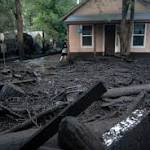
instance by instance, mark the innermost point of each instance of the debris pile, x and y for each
(37, 95)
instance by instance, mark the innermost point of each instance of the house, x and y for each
(93, 28)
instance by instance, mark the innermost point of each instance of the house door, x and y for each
(110, 31)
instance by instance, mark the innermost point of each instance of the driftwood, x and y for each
(135, 100)
(74, 135)
(29, 123)
(8, 111)
(74, 109)
(111, 102)
(126, 91)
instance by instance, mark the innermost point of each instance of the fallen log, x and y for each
(74, 109)
(126, 91)
(74, 135)
(29, 123)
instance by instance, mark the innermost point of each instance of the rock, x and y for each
(11, 90)
(6, 71)
(73, 135)
(19, 76)
(28, 44)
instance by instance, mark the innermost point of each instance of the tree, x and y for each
(126, 26)
(46, 16)
(11, 15)
(19, 24)
(6, 16)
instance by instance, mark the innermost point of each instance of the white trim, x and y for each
(117, 42)
(81, 42)
(104, 36)
(104, 39)
(132, 46)
(115, 38)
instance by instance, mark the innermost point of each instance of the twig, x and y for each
(34, 121)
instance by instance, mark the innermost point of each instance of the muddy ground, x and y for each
(52, 78)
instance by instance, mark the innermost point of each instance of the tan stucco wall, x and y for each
(106, 6)
(74, 39)
(103, 6)
(75, 45)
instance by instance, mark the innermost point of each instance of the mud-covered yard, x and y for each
(53, 78)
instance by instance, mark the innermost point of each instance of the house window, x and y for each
(139, 35)
(87, 36)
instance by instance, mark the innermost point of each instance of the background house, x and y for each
(93, 27)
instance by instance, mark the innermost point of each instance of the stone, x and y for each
(11, 90)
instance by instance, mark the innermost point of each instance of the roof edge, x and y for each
(74, 9)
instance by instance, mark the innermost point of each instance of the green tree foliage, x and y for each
(45, 15)
(7, 15)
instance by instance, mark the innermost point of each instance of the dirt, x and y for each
(53, 78)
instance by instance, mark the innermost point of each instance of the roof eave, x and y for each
(99, 22)
(74, 9)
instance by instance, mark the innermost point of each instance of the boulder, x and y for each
(11, 90)
(74, 135)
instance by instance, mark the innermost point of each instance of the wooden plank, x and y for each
(74, 109)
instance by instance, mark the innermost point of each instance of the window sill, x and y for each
(137, 46)
(87, 47)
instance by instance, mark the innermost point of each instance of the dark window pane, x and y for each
(139, 28)
(87, 41)
(87, 30)
(138, 40)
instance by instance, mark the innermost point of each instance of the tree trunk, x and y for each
(131, 24)
(124, 28)
(74, 135)
(19, 23)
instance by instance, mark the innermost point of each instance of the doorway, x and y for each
(110, 32)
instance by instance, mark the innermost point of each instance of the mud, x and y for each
(53, 78)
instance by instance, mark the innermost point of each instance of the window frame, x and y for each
(81, 37)
(144, 42)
